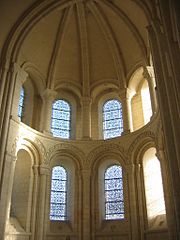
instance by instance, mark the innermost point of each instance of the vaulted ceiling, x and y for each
(87, 43)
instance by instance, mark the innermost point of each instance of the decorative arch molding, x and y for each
(136, 70)
(64, 149)
(103, 85)
(144, 6)
(34, 73)
(143, 142)
(36, 149)
(69, 85)
(107, 150)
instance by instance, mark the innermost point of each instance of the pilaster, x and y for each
(86, 117)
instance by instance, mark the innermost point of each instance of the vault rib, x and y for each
(115, 51)
(130, 25)
(57, 46)
(84, 48)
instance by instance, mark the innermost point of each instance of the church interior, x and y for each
(89, 120)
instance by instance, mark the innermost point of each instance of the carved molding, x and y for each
(65, 148)
(105, 149)
(35, 145)
(139, 143)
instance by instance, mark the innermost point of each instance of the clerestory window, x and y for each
(114, 197)
(58, 201)
(21, 104)
(112, 119)
(61, 119)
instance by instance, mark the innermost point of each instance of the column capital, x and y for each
(22, 75)
(126, 93)
(44, 170)
(11, 157)
(35, 169)
(160, 154)
(86, 100)
(130, 168)
(48, 94)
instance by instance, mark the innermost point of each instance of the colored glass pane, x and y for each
(58, 200)
(112, 119)
(61, 119)
(114, 198)
(21, 104)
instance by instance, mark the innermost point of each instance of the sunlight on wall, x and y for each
(24, 132)
(146, 102)
(153, 185)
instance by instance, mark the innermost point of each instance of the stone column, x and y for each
(86, 117)
(7, 185)
(148, 73)
(133, 202)
(86, 205)
(140, 214)
(5, 113)
(34, 201)
(40, 231)
(48, 97)
(125, 110)
(165, 70)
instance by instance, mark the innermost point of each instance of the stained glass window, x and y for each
(112, 119)
(114, 198)
(61, 119)
(21, 104)
(58, 201)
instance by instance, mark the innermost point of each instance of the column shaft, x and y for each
(48, 98)
(86, 205)
(41, 206)
(86, 118)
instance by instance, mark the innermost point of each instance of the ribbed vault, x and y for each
(86, 43)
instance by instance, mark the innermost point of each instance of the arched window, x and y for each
(114, 197)
(58, 201)
(146, 102)
(112, 119)
(155, 204)
(21, 104)
(61, 119)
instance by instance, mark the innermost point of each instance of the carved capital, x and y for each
(49, 94)
(44, 170)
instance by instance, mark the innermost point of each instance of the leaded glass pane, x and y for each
(61, 119)
(114, 199)
(112, 119)
(56, 184)
(114, 171)
(21, 104)
(58, 200)
(112, 184)
(58, 197)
